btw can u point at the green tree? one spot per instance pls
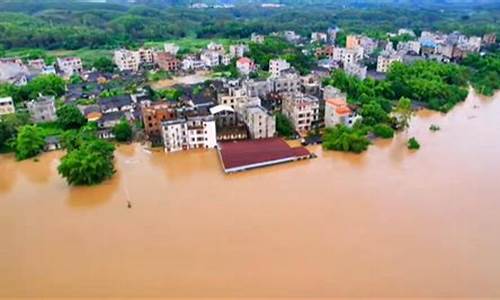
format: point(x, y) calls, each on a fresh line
point(373, 113)
point(383, 131)
point(70, 117)
point(45, 85)
point(104, 64)
point(413, 144)
point(29, 142)
point(123, 131)
point(343, 138)
point(91, 163)
point(284, 126)
point(403, 113)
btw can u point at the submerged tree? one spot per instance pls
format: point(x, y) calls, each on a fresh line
point(29, 142)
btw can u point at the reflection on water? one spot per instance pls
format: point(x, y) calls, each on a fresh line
point(388, 222)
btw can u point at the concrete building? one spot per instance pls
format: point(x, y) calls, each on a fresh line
point(13, 71)
point(237, 51)
point(153, 116)
point(191, 63)
point(127, 60)
point(191, 132)
point(410, 47)
point(385, 60)
point(288, 82)
point(348, 55)
point(261, 124)
point(257, 38)
point(302, 110)
point(338, 112)
point(166, 61)
point(43, 109)
point(145, 55)
point(69, 66)
point(276, 66)
point(6, 106)
point(319, 37)
point(210, 58)
point(353, 41)
point(356, 69)
point(489, 39)
point(234, 96)
point(245, 65)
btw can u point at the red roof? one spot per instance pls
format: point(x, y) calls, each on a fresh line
point(249, 152)
point(245, 60)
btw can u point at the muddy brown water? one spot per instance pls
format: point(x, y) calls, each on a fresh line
point(389, 222)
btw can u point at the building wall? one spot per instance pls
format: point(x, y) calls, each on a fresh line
point(6, 106)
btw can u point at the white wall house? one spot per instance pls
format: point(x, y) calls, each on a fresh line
point(189, 133)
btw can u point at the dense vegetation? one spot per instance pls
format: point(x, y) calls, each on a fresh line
point(485, 77)
point(48, 85)
point(284, 126)
point(75, 25)
point(343, 138)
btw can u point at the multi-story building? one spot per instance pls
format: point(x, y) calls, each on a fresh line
point(153, 116)
point(189, 132)
point(257, 38)
point(6, 106)
point(69, 66)
point(145, 55)
point(210, 58)
point(13, 71)
point(261, 124)
point(215, 47)
point(338, 112)
point(287, 82)
point(385, 60)
point(127, 60)
point(276, 66)
point(256, 88)
point(191, 62)
point(166, 61)
point(348, 55)
point(245, 65)
point(319, 37)
point(237, 51)
point(43, 109)
point(356, 69)
point(489, 38)
point(353, 41)
point(234, 96)
point(410, 47)
point(302, 110)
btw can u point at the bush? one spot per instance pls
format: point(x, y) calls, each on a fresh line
point(413, 144)
point(383, 131)
point(343, 138)
point(70, 117)
point(284, 126)
point(123, 131)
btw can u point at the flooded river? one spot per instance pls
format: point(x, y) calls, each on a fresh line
point(389, 222)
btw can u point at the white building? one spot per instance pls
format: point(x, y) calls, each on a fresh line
point(302, 110)
point(6, 106)
point(409, 47)
point(192, 63)
point(257, 38)
point(319, 37)
point(13, 71)
point(261, 124)
point(210, 58)
point(237, 51)
point(356, 69)
point(287, 82)
point(278, 65)
point(189, 133)
point(127, 60)
point(171, 48)
point(348, 56)
point(338, 112)
point(69, 66)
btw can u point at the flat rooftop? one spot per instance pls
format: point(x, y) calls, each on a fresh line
point(249, 154)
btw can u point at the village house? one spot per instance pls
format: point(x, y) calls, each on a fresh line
point(210, 58)
point(326, 51)
point(348, 55)
point(302, 110)
point(42, 109)
point(190, 132)
point(338, 112)
point(13, 71)
point(192, 63)
point(117, 103)
point(276, 66)
point(410, 47)
point(261, 124)
point(319, 37)
point(245, 65)
point(489, 39)
point(256, 88)
point(6, 106)
point(52, 143)
point(145, 56)
point(107, 122)
point(237, 51)
point(69, 66)
point(257, 38)
point(387, 58)
point(228, 124)
point(356, 69)
point(232, 96)
point(37, 64)
point(127, 60)
point(166, 61)
point(153, 115)
point(287, 82)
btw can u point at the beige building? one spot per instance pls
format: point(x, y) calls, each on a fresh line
point(127, 60)
point(302, 110)
point(384, 61)
point(261, 124)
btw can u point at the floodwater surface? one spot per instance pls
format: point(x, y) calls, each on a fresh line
point(389, 222)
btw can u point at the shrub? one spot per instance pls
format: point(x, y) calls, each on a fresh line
point(413, 144)
point(383, 131)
